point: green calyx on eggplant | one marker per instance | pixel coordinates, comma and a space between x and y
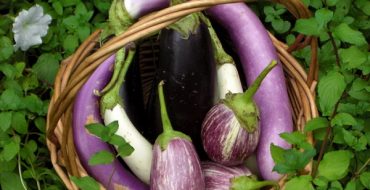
169, 170
251, 183
168, 132
242, 104
230, 130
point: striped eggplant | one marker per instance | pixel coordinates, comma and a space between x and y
230, 130
175, 162
220, 177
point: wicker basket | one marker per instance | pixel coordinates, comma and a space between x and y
76, 69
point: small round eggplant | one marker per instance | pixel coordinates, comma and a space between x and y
218, 176
230, 130
175, 162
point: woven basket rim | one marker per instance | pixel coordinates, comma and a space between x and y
76, 69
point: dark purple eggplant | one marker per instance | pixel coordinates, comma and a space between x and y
220, 177
230, 130
132, 96
186, 64
175, 162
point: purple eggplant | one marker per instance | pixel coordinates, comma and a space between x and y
230, 130
175, 162
255, 50
220, 177
86, 111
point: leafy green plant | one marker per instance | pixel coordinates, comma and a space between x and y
342, 130
26, 79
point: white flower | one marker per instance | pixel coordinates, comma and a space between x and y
29, 26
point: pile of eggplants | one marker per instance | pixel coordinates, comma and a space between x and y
201, 138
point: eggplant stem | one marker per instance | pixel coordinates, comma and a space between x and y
221, 56
167, 126
111, 97
120, 57
248, 95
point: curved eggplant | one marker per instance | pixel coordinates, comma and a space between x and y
86, 111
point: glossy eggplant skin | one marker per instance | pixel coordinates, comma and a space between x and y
132, 96
188, 69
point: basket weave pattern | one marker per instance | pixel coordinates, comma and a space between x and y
75, 70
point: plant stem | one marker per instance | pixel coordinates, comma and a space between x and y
363, 167
326, 138
221, 56
20, 172
167, 126
337, 59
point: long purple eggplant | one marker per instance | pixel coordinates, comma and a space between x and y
256, 51
175, 162
86, 111
138, 8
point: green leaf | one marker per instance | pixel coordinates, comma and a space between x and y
101, 158
294, 160
323, 16
277, 153
40, 123
342, 119
10, 149
8, 70
19, 122
46, 67
125, 150
352, 57
346, 34
29, 82
296, 137
301, 182
358, 90
358, 144
365, 179
6, 120
335, 164
58, 7
10, 100
86, 183
6, 48
321, 182
83, 32
10, 181
102, 5
316, 123
8, 166
364, 5
68, 3
281, 26
331, 2
34, 104
336, 185
103, 132
70, 43
71, 22
330, 89
308, 26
